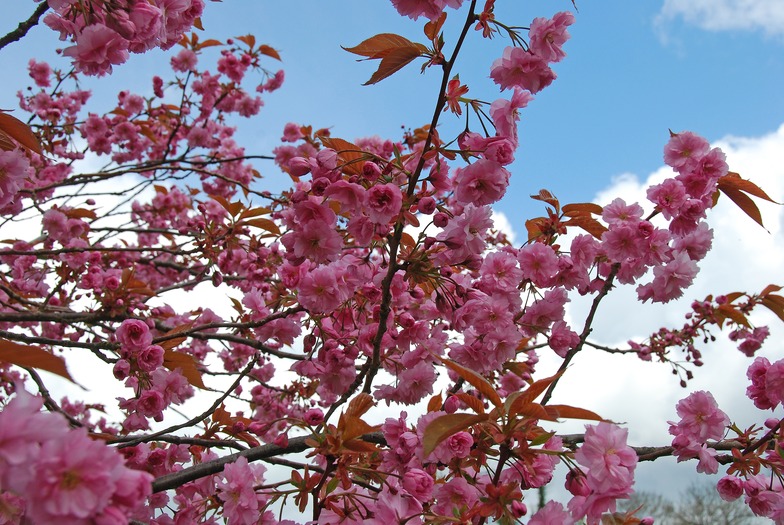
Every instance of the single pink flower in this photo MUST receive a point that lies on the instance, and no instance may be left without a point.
(97, 49)
(483, 182)
(134, 335)
(522, 69)
(418, 483)
(383, 203)
(547, 36)
(240, 502)
(730, 488)
(685, 149)
(74, 478)
(610, 461)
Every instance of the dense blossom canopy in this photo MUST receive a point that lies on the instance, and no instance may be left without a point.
(379, 279)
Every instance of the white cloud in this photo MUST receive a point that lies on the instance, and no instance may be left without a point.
(502, 224)
(745, 257)
(724, 15)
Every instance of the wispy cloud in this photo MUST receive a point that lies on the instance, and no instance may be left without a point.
(727, 15)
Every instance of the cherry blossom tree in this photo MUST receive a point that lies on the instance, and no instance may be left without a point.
(378, 280)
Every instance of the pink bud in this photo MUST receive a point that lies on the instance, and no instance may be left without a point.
(426, 205)
(299, 166)
(282, 440)
(518, 509)
(730, 488)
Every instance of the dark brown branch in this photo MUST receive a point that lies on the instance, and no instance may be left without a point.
(608, 284)
(23, 27)
(300, 444)
(181, 440)
(176, 479)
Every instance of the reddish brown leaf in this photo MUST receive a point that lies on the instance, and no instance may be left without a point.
(187, 365)
(210, 43)
(80, 213)
(394, 61)
(519, 399)
(475, 380)
(531, 410)
(473, 403)
(534, 227)
(770, 288)
(172, 343)
(727, 311)
(733, 180)
(249, 40)
(444, 426)
(357, 445)
(269, 51)
(588, 224)
(255, 212)
(407, 241)
(570, 412)
(547, 197)
(381, 45)
(774, 303)
(221, 416)
(582, 208)
(353, 427)
(6, 144)
(433, 28)
(732, 297)
(28, 356)
(20, 132)
(743, 202)
(264, 224)
(350, 155)
(359, 405)
(435, 403)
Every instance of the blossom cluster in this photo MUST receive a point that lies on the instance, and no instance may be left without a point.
(701, 420)
(103, 33)
(51, 473)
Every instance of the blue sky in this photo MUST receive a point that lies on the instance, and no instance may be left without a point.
(630, 75)
(633, 71)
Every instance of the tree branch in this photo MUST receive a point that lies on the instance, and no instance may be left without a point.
(23, 27)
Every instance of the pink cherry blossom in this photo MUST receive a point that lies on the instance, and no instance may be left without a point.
(520, 68)
(685, 149)
(40, 72)
(428, 8)
(505, 113)
(97, 49)
(455, 496)
(240, 502)
(538, 262)
(74, 478)
(482, 182)
(609, 460)
(730, 488)
(14, 167)
(701, 418)
(134, 335)
(553, 513)
(419, 484)
(547, 36)
(383, 202)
